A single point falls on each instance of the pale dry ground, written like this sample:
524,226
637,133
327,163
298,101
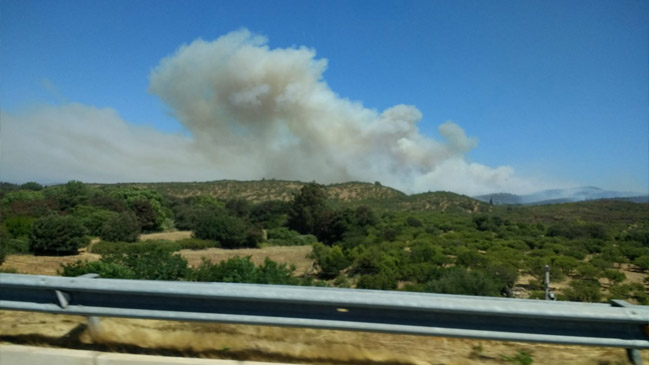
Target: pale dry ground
171,236
260,343
295,255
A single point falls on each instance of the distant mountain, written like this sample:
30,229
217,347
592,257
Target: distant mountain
555,196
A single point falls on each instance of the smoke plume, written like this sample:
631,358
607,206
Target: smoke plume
251,112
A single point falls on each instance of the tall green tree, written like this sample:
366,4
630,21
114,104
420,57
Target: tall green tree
306,209
55,234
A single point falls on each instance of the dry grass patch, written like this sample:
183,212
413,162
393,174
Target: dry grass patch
277,344
291,255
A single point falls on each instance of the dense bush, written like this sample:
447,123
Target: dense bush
121,227
330,260
229,231
18,226
305,210
150,261
283,236
93,218
461,281
55,234
242,270
106,270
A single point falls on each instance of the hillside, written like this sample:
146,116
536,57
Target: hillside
265,190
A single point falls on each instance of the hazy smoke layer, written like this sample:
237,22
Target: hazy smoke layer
252,112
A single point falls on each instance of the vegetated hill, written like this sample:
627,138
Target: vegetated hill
555,196
352,193
610,212
264,190
442,201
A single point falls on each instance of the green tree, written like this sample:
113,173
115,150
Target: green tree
146,215
122,227
306,208
330,260
583,291
18,226
55,234
150,261
229,231
34,186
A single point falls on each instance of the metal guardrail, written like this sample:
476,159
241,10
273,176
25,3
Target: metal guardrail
617,325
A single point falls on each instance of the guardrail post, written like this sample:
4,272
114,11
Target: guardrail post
547,282
94,322
632,354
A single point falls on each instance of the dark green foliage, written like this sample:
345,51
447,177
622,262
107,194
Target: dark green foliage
146,215
583,291
242,270
238,207
379,281
330,260
93,218
461,281
58,235
34,186
270,214
121,227
229,231
108,203
106,270
4,240
306,208
414,222
283,236
18,226
150,261
70,195
642,263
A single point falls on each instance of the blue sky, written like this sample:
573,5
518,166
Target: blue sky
557,90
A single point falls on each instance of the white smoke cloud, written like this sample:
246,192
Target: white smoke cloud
252,112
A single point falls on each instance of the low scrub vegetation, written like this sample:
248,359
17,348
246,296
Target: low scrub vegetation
433,242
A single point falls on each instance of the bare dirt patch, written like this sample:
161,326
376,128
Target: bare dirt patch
291,255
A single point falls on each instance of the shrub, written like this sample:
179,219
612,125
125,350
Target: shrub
457,280
54,234
121,227
229,231
380,281
414,222
306,208
583,291
3,246
283,236
92,218
106,270
150,261
18,226
330,259
242,270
